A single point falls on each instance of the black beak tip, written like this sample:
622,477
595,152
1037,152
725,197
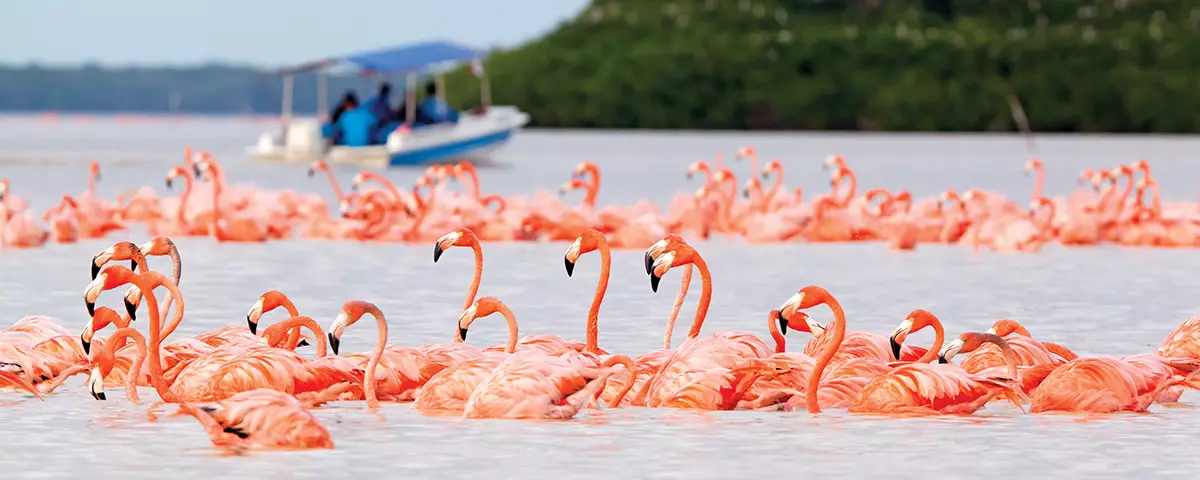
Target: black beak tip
87,346
689,175
95,268
168,183
654,279
333,343
765,175
942,359
895,348
649,263
131,309
570,266
99,396
310,173
253,326
91,308
783,324
437,252
746,193
462,333
303,343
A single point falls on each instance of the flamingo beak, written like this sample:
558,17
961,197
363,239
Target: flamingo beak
96,384
783,322
334,342
87,344
437,252
649,263
898,336
311,172
950,351
92,292
469,313
570,266
253,315
335,331
131,309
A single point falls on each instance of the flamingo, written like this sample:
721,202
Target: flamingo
260,418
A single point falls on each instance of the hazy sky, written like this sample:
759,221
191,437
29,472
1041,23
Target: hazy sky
261,32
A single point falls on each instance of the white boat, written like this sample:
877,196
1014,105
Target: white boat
475,136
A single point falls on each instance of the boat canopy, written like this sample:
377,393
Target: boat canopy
400,59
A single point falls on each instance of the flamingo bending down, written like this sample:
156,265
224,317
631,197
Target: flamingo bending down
261,418
405,369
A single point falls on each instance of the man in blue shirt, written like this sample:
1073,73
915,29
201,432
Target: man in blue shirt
436,109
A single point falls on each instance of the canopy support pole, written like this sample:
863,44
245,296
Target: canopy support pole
288,83
410,103
322,94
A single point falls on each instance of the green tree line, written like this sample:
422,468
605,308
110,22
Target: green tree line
929,65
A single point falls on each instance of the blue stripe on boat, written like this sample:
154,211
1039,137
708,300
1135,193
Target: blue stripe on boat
449,151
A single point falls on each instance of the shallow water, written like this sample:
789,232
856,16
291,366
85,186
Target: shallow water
1104,300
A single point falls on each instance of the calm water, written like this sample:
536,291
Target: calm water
1099,300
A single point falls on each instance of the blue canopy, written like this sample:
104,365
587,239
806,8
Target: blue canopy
400,59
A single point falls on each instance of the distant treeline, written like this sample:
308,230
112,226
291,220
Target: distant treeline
205,89
1081,65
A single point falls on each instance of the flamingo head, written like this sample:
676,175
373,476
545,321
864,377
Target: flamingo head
102,364
752,183
799,320
674,256
462,237
201,164
157,246
695,167
103,317
659,247
1031,165
481,308
966,343
838,174
583,167
356,181
916,320
833,161
111,277
95,169
587,242
772,166
351,312
317,165
806,298
1006,326
746,151
1141,164
266,302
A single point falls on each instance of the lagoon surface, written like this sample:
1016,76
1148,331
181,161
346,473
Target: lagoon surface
1103,300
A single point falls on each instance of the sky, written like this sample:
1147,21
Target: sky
257,32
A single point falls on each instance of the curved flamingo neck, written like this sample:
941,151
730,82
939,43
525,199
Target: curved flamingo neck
705,295
593,320
852,181
512,327
180,213
146,283
774,190
839,334
773,328
473,290
387,184
292,327
939,338
686,281
1039,180
337,189
376,355
476,189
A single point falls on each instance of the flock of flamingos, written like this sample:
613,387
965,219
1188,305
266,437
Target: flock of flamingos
1122,206
248,387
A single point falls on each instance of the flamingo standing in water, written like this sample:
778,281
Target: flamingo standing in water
405,369
447,391
705,373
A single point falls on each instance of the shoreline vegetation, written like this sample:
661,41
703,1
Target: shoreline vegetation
1120,66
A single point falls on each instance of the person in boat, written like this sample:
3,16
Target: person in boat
332,131
384,115
435,109
354,127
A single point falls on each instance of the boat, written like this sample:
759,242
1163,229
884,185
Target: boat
475,137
